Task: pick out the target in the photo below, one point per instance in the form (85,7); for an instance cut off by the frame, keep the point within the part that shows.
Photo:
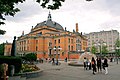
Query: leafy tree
(2,49)
(117,47)
(104,50)
(31,57)
(93,49)
(2,32)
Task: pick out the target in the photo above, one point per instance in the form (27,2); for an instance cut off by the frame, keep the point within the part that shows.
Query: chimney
(76,27)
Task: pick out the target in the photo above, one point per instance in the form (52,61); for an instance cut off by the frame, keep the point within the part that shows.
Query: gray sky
(93,16)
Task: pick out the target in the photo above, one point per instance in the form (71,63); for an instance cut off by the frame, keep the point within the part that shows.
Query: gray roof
(50,23)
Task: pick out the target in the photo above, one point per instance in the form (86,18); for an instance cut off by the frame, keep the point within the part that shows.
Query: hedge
(10,60)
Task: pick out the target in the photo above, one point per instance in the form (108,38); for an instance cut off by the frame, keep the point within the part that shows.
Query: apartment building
(107,37)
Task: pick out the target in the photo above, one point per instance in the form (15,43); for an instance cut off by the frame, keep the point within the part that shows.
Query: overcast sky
(93,16)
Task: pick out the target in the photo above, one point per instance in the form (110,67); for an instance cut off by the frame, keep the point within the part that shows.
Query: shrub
(10,60)
(31,57)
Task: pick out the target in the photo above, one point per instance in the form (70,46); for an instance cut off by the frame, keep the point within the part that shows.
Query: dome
(50,23)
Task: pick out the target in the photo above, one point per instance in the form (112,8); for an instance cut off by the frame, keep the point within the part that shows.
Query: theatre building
(48,39)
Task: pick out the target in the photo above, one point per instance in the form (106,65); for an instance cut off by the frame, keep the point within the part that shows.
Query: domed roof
(50,23)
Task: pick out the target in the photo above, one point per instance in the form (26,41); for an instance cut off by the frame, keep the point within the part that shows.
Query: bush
(10,60)
(31,57)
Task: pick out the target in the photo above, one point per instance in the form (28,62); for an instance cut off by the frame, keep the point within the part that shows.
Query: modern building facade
(107,37)
(49,38)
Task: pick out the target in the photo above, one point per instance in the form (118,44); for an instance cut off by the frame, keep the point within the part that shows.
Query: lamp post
(100,43)
(117,52)
(57,49)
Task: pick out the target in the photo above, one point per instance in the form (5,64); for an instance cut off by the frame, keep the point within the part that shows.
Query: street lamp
(57,49)
(117,51)
(100,44)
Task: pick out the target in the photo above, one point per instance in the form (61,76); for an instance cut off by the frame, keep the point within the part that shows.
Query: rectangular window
(50,43)
(69,40)
(69,47)
(62,53)
(58,40)
(59,47)
(36,48)
(55,48)
(55,41)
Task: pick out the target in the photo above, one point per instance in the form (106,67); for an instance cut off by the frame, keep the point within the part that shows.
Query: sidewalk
(65,72)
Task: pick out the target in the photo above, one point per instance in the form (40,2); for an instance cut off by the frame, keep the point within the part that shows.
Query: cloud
(113,23)
(113,6)
(92,16)
(27,10)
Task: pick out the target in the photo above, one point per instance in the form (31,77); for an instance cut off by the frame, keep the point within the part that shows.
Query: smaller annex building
(48,39)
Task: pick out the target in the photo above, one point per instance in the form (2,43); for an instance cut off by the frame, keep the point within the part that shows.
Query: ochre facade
(48,39)
(7,50)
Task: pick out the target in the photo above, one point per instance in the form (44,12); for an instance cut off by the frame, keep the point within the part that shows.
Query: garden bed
(31,74)
(29,71)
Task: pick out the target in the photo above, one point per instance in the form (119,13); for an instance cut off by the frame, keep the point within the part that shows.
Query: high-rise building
(107,37)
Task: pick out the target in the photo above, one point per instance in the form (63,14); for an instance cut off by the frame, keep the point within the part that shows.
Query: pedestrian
(93,62)
(84,63)
(105,64)
(102,62)
(66,59)
(99,64)
(53,61)
(89,64)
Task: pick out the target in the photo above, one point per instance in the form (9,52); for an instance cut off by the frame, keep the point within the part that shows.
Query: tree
(2,32)
(2,47)
(93,49)
(104,50)
(117,47)
(31,57)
